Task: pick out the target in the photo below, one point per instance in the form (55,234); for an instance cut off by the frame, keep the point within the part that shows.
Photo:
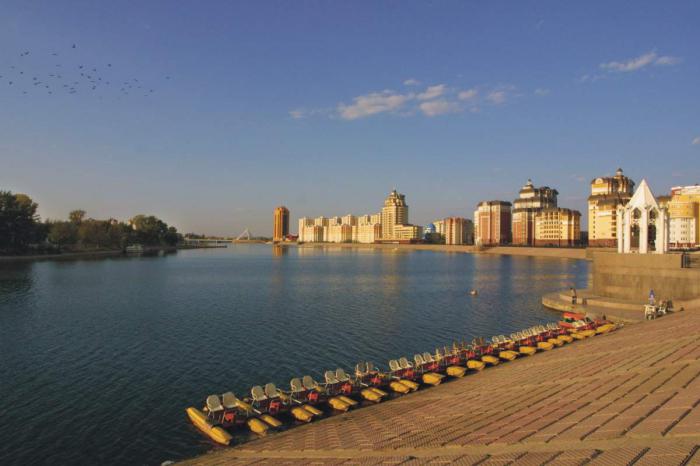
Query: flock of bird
(68,78)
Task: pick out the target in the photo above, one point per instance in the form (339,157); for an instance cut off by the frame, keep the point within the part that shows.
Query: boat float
(269,407)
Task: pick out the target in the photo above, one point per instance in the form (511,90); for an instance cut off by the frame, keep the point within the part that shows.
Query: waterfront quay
(629,397)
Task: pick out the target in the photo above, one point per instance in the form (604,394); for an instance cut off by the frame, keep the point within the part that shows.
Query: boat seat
(214,404)
(394,365)
(258,393)
(404,363)
(271,390)
(309,383)
(330,377)
(229,400)
(296,386)
(360,369)
(370,367)
(341,375)
(428,358)
(419,360)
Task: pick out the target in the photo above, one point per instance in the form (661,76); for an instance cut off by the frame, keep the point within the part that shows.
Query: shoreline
(104,254)
(635,396)
(558,253)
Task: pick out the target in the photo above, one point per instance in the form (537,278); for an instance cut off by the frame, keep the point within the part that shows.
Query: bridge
(244,237)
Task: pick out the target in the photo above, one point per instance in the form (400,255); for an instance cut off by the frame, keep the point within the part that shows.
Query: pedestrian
(573,295)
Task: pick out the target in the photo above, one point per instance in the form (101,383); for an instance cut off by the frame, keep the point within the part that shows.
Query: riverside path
(629,397)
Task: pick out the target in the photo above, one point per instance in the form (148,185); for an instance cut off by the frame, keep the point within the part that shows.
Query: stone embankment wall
(631,276)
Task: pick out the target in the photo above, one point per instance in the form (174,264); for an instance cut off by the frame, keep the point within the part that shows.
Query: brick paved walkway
(630,397)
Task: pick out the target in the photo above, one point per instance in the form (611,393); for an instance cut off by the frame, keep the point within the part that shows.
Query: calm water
(99,359)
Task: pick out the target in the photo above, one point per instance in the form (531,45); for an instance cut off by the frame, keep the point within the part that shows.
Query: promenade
(630,397)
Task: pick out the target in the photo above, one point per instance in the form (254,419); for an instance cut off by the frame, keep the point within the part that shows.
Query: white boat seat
(418,359)
(330,377)
(341,375)
(404,363)
(428,358)
(308,382)
(229,400)
(360,368)
(214,404)
(271,390)
(370,367)
(296,386)
(394,365)
(258,393)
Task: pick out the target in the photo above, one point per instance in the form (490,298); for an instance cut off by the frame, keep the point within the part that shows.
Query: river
(100,358)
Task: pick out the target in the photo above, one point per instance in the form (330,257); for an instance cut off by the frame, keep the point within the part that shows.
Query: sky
(218,111)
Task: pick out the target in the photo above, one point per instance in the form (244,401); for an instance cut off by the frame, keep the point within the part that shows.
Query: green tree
(77,216)
(62,233)
(18,222)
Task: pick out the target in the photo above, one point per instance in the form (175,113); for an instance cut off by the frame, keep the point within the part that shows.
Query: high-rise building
(280,228)
(458,231)
(492,223)
(530,201)
(607,193)
(394,212)
(557,227)
(684,217)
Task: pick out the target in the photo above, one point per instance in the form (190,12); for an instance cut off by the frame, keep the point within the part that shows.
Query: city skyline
(451,103)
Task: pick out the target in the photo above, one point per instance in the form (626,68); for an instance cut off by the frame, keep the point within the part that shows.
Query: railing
(690,261)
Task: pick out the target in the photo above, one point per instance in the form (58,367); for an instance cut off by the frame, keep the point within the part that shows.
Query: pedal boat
(426,366)
(452,362)
(370,378)
(347,387)
(208,422)
(333,390)
(301,396)
(401,383)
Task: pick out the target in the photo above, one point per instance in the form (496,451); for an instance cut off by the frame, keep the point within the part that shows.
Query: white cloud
(411,82)
(696,141)
(432,92)
(634,64)
(668,60)
(496,97)
(540,91)
(438,107)
(373,103)
(469,94)
(297,114)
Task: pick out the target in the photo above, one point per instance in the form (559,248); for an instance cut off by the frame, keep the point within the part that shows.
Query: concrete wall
(631,276)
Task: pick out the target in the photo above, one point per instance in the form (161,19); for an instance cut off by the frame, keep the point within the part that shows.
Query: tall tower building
(394,212)
(530,201)
(280,228)
(606,194)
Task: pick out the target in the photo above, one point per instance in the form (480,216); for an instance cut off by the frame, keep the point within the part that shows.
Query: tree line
(21,230)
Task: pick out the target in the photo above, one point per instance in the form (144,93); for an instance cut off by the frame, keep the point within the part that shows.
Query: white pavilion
(642,226)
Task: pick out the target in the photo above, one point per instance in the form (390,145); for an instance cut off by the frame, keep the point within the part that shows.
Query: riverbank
(630,397)
(74,255)
(561,253)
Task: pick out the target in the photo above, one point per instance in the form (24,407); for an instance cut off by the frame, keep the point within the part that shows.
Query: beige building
(395,226)
(530,201)
(684,217)
(492,223)
(349,228)
(558,227)
(458,230)
(607,193)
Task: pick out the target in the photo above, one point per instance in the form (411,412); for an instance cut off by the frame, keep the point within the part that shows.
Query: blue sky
(326,106)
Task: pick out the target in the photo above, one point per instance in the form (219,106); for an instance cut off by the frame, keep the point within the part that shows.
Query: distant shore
(562,253)
(98,254)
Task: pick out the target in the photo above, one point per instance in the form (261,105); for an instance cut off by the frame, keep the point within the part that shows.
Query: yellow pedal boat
(544,345)
(605,328)
(508,355)
(257,426)
(312,410)
(456,371)
(527,350)
(370,395)
(399,387)
(199,419)
(491,360)
(272,421)
(475,365)
(300,414)
(431,378)
(556,342)
(338,404)
(565,338)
